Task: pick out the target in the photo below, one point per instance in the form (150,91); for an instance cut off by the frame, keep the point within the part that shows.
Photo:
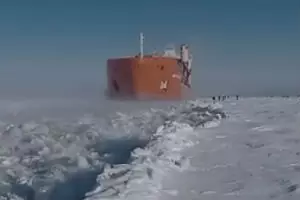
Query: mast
(142,45)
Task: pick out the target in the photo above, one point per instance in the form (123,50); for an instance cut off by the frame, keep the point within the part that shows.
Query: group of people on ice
(223,98)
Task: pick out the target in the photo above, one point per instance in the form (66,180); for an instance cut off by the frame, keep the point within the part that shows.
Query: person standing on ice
(214,99)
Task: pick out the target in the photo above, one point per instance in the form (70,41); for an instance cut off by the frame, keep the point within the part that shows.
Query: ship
(155,76)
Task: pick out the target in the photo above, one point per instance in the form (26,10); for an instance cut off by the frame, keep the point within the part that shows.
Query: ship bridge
(170,52)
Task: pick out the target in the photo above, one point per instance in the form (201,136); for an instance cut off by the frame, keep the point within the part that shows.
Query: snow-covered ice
(176,152)
(253,154)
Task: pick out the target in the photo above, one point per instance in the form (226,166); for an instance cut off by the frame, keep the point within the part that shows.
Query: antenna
(142,45)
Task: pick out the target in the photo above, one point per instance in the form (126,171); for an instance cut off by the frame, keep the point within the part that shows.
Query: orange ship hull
(145,78)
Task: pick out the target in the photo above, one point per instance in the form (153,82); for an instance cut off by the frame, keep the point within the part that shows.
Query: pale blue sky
(239,46)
